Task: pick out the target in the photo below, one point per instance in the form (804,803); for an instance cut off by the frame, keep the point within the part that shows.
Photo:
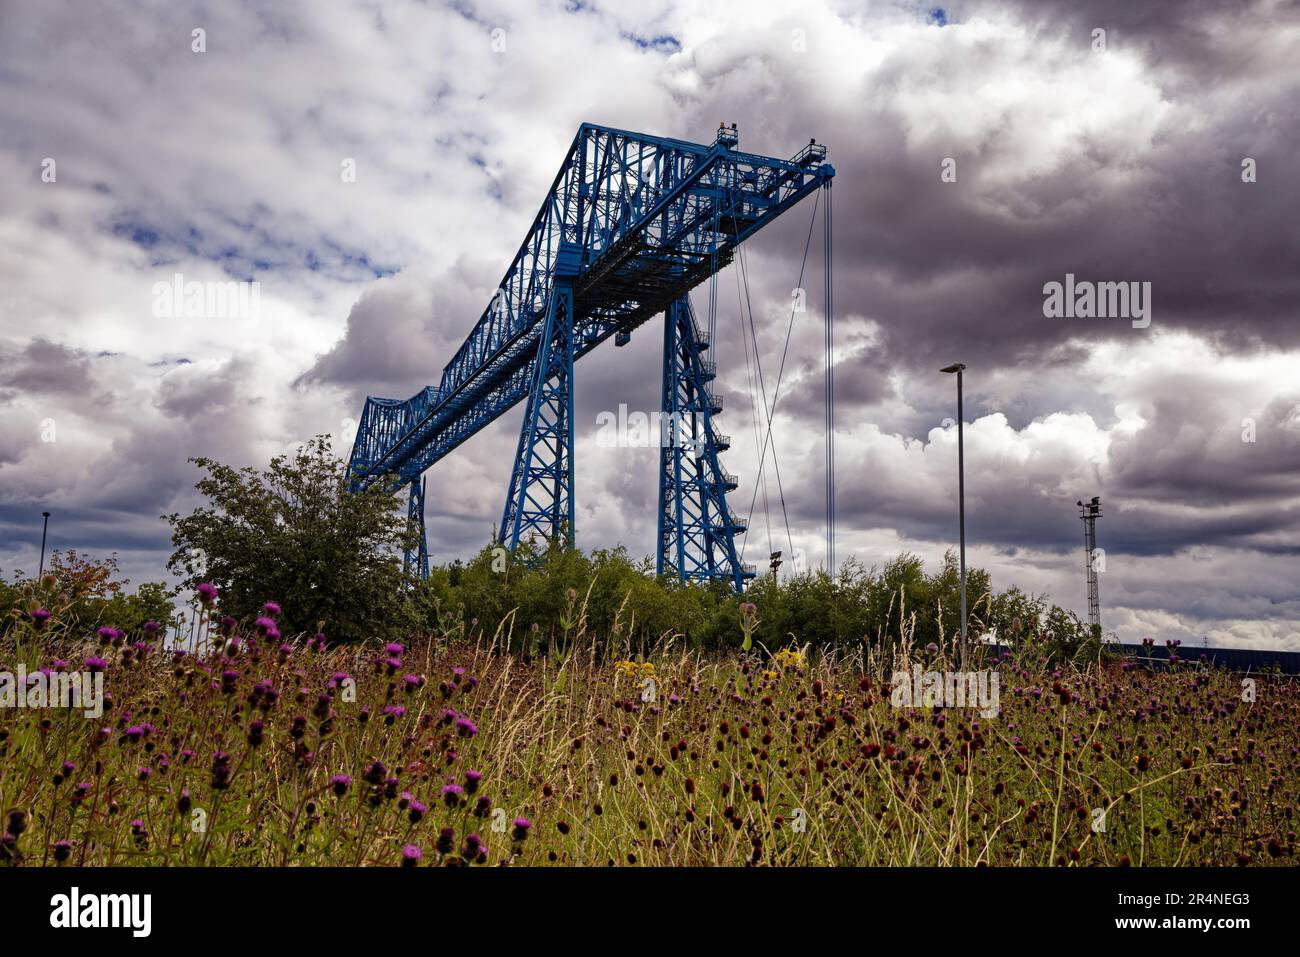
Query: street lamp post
(958,367)
(44,530)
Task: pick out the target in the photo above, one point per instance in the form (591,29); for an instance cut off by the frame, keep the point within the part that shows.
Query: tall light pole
(45,529)
(1090,512)
(958,367)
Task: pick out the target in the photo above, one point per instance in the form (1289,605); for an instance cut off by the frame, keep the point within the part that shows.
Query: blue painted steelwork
(697,528)
(631,224)
(417,561)
(541,484)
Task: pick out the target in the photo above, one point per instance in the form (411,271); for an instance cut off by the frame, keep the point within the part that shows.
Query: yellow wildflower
(637,671)
(789,658)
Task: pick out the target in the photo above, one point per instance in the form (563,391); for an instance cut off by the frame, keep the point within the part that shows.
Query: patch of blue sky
(261,253)
(664,43)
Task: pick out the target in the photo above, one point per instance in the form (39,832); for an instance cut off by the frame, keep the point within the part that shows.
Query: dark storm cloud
(1179,34)
(401,333)
(958,269)
(1212,453)
(44,368)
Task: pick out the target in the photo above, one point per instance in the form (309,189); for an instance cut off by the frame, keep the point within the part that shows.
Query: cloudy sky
(1160,150)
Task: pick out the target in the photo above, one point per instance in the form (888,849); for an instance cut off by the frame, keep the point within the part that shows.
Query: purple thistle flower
(221,771)
(446,840)
(340,783)
(474,847)
(411,855)
(416,810)
(40,616)
(393,649)
(264,625)
(452,793)
(207,592)
(272,609)
(264,692)
(466,727)
(95,664)
(472,778)
(522,825)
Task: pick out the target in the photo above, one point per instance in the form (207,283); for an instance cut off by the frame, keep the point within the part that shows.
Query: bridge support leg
(417,561)
(697,531)
(540,504)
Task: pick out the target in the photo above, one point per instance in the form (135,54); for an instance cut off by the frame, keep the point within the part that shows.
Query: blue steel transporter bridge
(631,224)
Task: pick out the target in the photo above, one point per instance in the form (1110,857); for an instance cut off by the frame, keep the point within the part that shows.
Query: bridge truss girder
(632,223)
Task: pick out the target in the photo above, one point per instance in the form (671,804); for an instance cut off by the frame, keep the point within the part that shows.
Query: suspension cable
(776,463)
(753,407)
(830,391)
(785,350)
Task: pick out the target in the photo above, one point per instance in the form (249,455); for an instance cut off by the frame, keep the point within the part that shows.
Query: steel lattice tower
(632,223)
(1090,512)
(697,530)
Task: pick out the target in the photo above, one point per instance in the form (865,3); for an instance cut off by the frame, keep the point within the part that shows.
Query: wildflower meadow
(451,749)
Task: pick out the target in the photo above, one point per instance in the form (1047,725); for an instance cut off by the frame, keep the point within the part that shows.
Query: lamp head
(955,367)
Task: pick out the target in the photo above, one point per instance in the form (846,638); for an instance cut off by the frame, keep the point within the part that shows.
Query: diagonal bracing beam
(540,503)
(697,530)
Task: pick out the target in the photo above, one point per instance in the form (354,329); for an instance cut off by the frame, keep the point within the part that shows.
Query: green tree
(295,534)
(150,602)
(1015,615)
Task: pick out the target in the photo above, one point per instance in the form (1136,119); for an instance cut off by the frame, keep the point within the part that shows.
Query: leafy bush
(625,606)
(85,593)
(295,531)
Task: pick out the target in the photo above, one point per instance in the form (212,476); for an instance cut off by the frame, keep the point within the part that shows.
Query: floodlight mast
(1090,512)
